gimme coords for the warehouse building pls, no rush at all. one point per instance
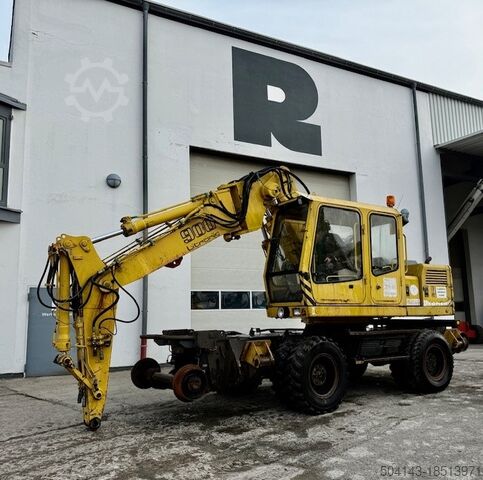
(173, 105)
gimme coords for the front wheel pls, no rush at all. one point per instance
(317, 376)
(431, 363)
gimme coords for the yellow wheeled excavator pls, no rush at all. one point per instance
(338, 266)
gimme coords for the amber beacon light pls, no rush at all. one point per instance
(390, 200)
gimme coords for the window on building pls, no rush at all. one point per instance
(238, 300)
(383, 244)
(259, 300)
(209, 300)
(5, 114)
(235, 300)
(337, 251)
(6, 15)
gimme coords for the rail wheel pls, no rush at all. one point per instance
(317, 376)
(142, 371)
(189, 383)
(431, 363)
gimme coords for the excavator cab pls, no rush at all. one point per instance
(339, 261)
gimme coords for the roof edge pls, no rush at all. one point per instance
(469, 136)
(287, 47)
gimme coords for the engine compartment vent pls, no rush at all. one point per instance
(436, 277)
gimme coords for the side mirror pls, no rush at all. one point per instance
(405, 216)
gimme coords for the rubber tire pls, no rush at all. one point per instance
(279, 379)
(302, 396)
(466, 342)
(419, 379)
(356, 371)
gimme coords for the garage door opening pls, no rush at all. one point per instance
(462, 173)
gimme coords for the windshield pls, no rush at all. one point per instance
(285, 251)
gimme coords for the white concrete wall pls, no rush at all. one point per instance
(433, 188)
(367, 129)
(13, 82)
(61, 185)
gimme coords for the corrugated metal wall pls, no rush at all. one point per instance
(452, 119)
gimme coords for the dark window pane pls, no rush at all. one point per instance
(383, 244)
(2, 134)
(235, 300)
(6, 10)
(259, 300)
(337, 252)
(285, 249)
(205, 300)
(4, 146)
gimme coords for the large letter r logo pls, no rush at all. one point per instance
(256, 116)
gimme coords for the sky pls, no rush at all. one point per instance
(5, 25)
(439, 42)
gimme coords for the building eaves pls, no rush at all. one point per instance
(470, 144)
(12, 102)
(266, 41)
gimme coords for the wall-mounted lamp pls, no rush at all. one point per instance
(113, 180)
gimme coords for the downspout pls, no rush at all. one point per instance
(144, 309)
(422, 197)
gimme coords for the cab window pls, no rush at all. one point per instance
(337, 250)
(383, 244)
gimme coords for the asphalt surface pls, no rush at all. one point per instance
(151, 435)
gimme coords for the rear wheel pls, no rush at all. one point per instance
(280, 375)
(317, 376)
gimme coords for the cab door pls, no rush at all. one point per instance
(386, 278)
(336, 263)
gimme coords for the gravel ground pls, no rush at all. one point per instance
(151, 435)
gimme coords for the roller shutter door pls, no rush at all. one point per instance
(227, 278)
